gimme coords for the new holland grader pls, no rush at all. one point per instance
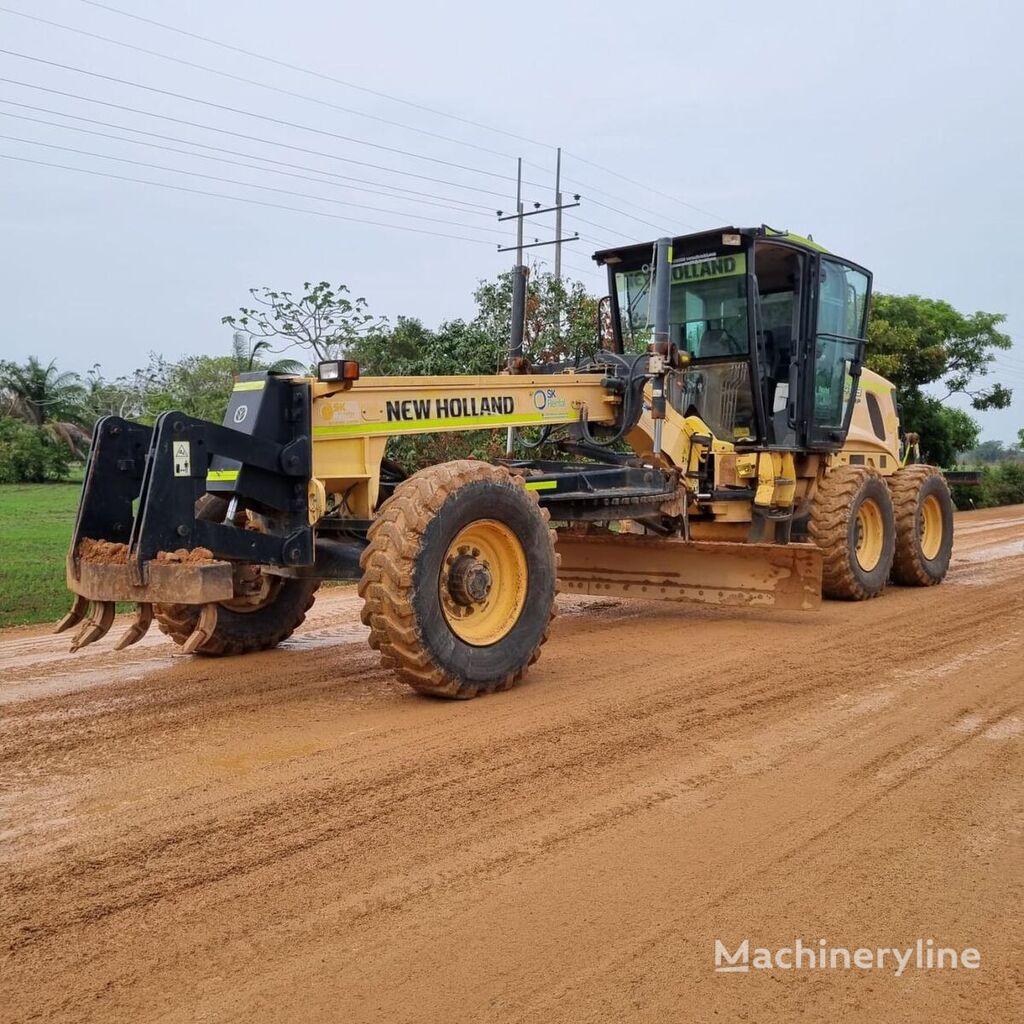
(726, 445)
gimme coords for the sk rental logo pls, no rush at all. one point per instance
(923, 955)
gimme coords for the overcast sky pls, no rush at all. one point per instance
(892, 131)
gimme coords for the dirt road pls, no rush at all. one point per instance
(294, 837)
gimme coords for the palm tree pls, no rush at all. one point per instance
(44, 397)
(244, 353)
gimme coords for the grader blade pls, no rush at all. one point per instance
(779, 576)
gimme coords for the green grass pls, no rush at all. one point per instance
(36, 521)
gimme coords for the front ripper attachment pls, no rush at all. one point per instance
(138, 536)
(781, 576)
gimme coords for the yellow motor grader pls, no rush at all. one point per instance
(727, 446)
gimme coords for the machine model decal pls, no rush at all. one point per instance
(702, 269)
(450, 408)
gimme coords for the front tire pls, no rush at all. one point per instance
(924, 526)
(852, 522)
(459, 580)
(267, 609)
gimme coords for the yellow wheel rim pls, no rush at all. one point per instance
(870, 535)
(931, 527)
(483, 582)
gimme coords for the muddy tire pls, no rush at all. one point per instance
(852, 522)
(255, 624)
(924, 526)
(459, 580)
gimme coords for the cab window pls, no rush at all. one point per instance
(842, 310)
(707, 308)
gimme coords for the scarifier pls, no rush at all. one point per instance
(726, 446)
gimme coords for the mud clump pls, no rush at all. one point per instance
(107, 552)
(103, 551)
(183, 556)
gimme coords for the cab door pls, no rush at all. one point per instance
(840, 295)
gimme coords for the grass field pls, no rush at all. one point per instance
(35, 527)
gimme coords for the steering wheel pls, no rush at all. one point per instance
(733, 343)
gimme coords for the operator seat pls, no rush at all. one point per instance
(716, 343)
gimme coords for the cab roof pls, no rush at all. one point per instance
(684, 245)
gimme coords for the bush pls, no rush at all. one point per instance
(1003, 484)
(29, 455)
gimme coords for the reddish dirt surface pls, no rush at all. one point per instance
(292, 836)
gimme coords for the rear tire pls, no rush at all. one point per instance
(924, 526)
(852, 522)
(459, 580)
(241, 627)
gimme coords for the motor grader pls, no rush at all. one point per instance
(724, 445)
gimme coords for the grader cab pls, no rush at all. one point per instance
(727, 447)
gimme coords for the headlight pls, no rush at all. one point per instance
(338, 369)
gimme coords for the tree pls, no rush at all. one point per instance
(945, 431)
(245, 356)
(30, 453)
(199, 386)
(915, 341)
(123, 396)
(989, 452)
(919, 343)
(44, 397)
(561, 318)
(411, 349)
(322, 320)
(1003, 484)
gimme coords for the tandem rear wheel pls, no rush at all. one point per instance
(874, 529)
(923, 508)
(852, 522)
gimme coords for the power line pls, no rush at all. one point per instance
(255, 82)
(262, 117)
(244, 184)
(268, 142)
(603, 243)
(397, 99)
(648, 188)
(593, 271)
(243, 199)
(604, 227)
(640, 220)
(315, 74)
(236, 163)
(253, 138)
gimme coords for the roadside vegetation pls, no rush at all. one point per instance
(35, 529)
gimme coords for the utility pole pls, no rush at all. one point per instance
(558, 216)
(521, 273)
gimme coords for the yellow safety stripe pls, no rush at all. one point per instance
(541, 485)
(249, 385)
(453, 423)
(222, 475)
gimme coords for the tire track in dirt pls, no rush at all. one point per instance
(213, 838)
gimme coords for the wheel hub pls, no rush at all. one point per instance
(469, 581)
(930, 530)
(483, 582)
(870, 535)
